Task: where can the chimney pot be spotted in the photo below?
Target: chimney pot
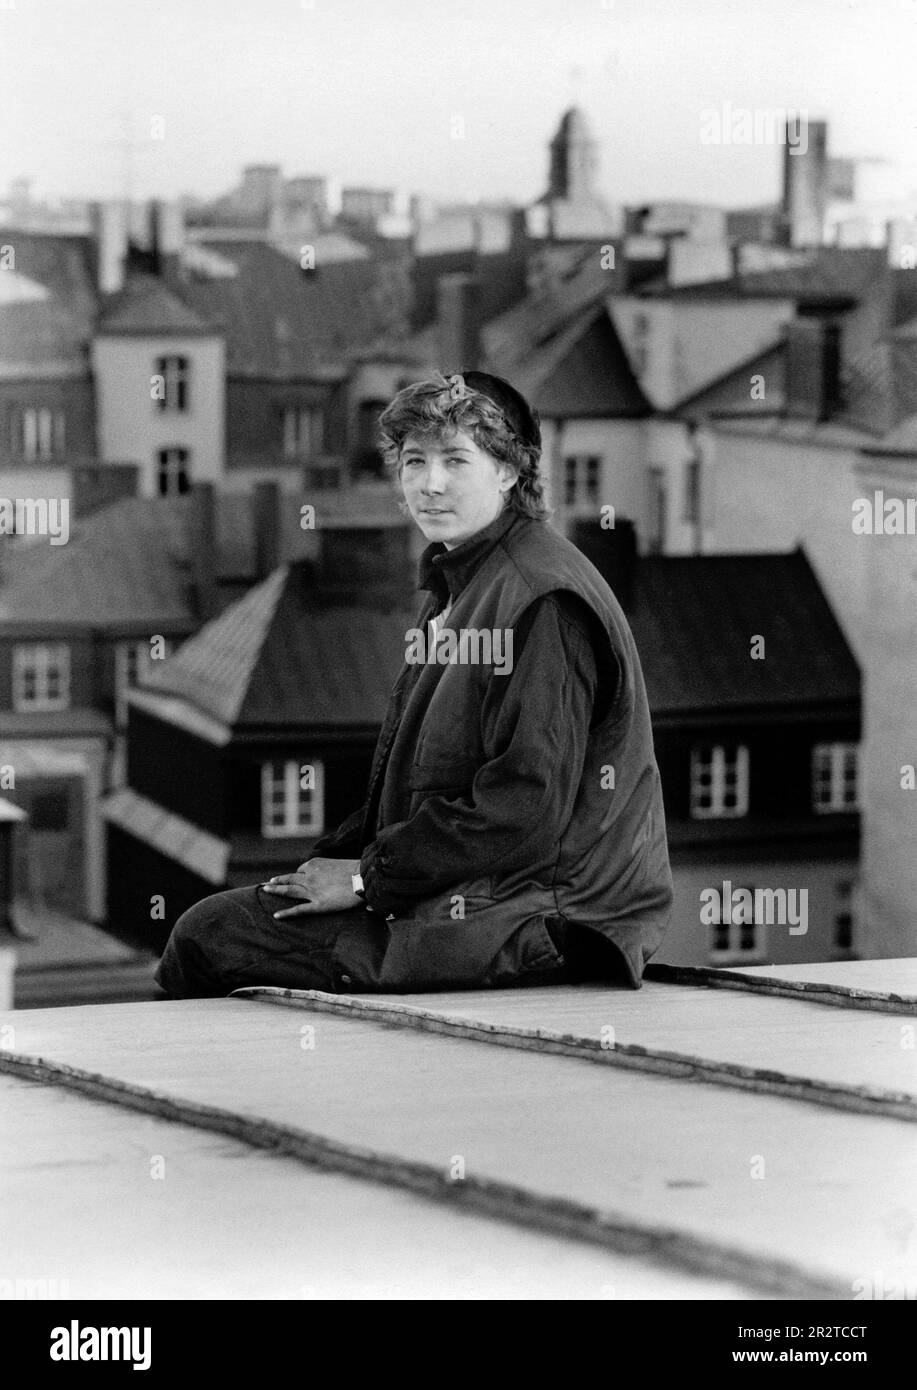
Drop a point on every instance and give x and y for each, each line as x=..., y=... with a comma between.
x=458, y=322
x=266, y=528
x=109, y=222
x=813, y=368
x=203, y=549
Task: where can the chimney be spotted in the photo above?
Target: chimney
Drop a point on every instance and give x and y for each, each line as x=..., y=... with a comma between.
x=202, y=540
x=261, y=190
x=168, y=234
x=805, y=182
x=266, y=528
x=97, y=485
x=613, y=552
x=363, y=565
x=813, y=368
x=109, y=231
x=458, y=322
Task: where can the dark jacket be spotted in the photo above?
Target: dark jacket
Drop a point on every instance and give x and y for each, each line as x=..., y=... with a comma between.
x=499, y=802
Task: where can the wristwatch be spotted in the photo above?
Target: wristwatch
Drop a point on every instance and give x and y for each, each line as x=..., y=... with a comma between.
x=357, y=881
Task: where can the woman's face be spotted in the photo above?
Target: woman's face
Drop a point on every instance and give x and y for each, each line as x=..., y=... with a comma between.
x=453, y=489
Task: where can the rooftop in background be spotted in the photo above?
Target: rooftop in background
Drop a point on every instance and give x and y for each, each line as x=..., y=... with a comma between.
x=830, y=273
x=49, y=303
x=146, y=305
x=693, y=618
x=128, y=565
x=282, y=656
x=281, y=320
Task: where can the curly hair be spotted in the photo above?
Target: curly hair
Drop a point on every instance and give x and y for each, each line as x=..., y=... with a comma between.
x=427, y=410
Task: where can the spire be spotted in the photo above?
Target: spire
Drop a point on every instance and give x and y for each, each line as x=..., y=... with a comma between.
x=574, y=159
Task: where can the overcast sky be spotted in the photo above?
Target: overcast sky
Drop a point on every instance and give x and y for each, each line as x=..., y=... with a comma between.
x=368, y=90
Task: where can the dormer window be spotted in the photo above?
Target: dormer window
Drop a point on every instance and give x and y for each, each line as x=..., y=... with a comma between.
x=292, y=798
x=835, y=778
x=719, y=781
x=41, y=676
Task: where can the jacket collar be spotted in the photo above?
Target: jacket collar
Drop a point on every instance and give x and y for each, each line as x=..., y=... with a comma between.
x=448, y=571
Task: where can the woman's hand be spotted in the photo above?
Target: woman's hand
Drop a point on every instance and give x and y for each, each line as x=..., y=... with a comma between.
x=319, y=885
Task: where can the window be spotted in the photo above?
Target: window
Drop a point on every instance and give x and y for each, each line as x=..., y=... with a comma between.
x=176, y=376
x=174, y=474
x=39, y=433
x=834, y=778
x=303, y=431
x=736, y=935
x=292, y=798
x=581, y=479
x=41, y=676
x=132, y=662
x=719, y=781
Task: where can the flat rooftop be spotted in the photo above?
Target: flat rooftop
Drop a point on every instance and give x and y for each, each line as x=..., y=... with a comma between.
x=716, y=1134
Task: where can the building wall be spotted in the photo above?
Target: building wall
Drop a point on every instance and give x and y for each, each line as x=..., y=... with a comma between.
x=688, y=939
x=177, y=770
x=82, y=664
x=346, y=766
x=254, y=427
x=31, y=480
x=131, y=426
x=79, y=885
x=620, y=444
x=779, y=769
x=771, y=494
x=140, y=874
x=690, y=343
x=668, y=446
x=889, y=641
x=72, y=395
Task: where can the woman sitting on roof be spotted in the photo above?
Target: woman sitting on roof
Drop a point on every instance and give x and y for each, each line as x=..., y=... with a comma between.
x=513, y=830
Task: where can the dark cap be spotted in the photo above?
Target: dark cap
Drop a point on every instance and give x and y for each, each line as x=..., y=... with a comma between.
x=520, y=416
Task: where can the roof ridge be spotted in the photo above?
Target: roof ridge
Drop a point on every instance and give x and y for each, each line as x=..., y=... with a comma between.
x=227, y=670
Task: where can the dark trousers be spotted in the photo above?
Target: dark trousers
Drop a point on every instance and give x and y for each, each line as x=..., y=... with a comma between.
x=232, y=939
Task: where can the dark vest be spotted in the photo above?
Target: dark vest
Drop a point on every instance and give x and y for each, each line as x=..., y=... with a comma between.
x=609, y=870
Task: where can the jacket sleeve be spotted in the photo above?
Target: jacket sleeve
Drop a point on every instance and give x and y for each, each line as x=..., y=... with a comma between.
x=535, y=726
x=345, y=842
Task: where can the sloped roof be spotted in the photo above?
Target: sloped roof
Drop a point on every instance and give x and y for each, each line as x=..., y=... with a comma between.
x=581, y=371
x=832, y=272
x=213, y=669
x=282, y=321
x=880, y=386
x=284, y=658
x=571, y=284
x=281, y=657
x=53, y=329
x=126, y=566
x=731, y=391
x=146, y=305
x=693, y=619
